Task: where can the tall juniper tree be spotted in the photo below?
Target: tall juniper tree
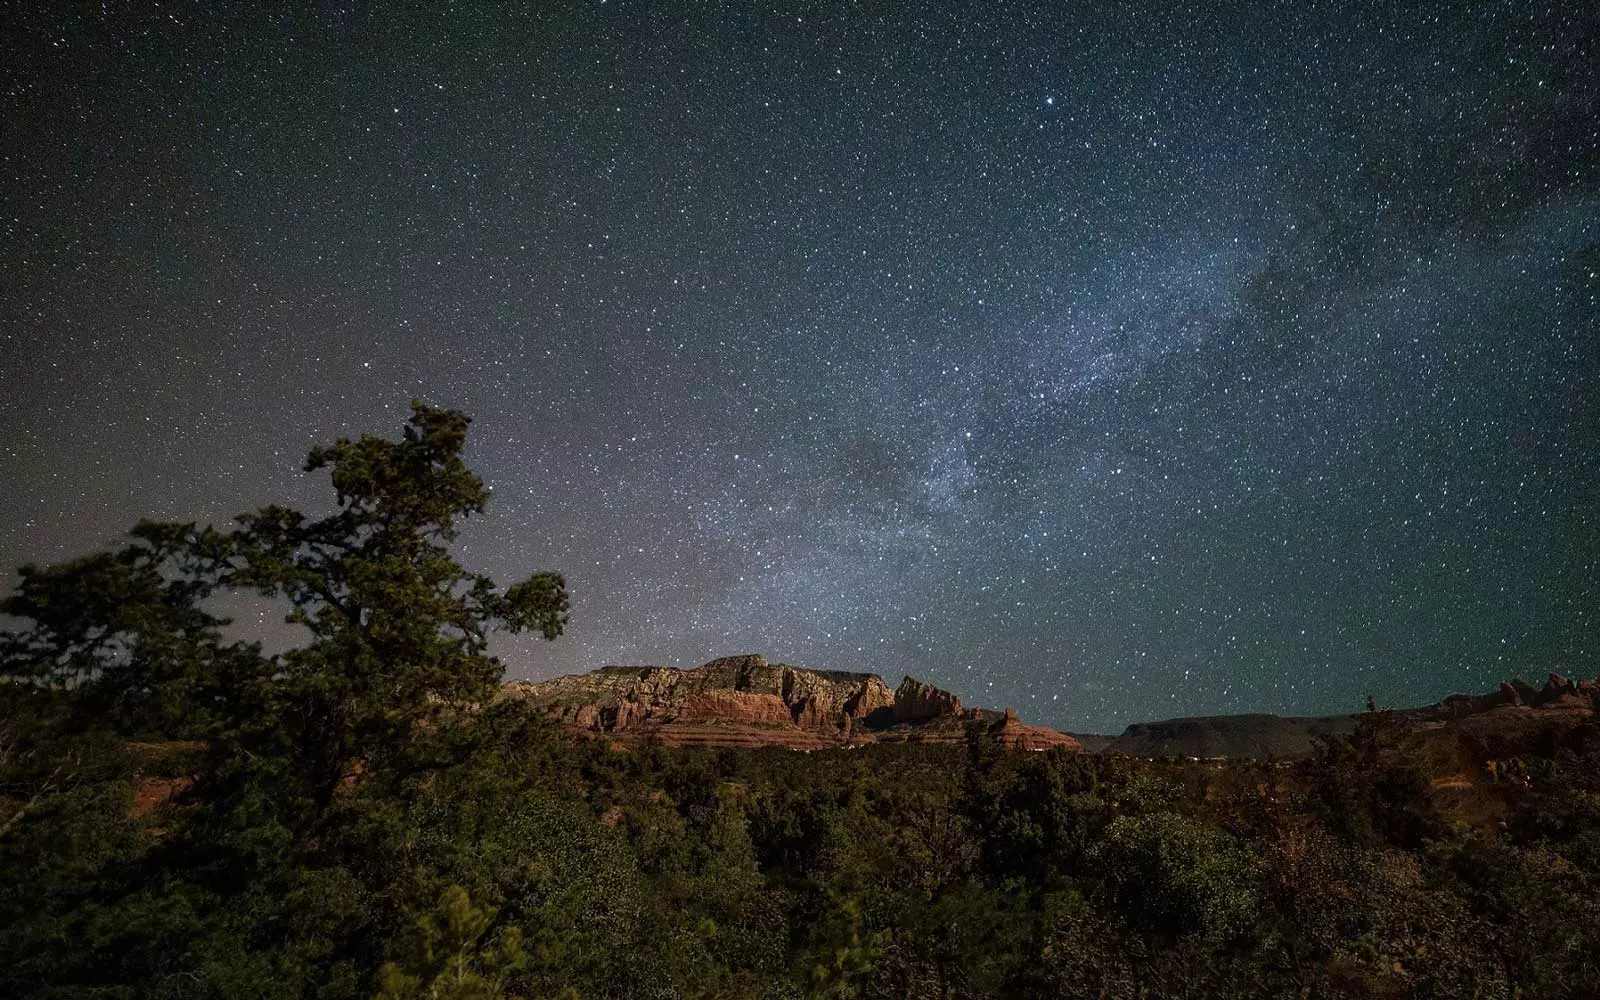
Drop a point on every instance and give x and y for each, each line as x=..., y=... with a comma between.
x=274, y=872
x=399, y=629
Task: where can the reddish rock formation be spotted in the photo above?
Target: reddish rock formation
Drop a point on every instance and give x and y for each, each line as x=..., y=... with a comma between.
x=734, y=701
x=919, y=701
x=720, y=735
x=1014, y=735
x=743, y=701
x=873, y=697
x=737, y=706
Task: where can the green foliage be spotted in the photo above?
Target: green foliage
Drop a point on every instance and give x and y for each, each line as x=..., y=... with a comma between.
x=447, y=955
x=841, y=959
x=185, y=816
x=1179, y=874
x=124, y=631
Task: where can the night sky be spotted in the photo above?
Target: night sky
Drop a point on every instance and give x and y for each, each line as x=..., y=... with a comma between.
x=1110, y=362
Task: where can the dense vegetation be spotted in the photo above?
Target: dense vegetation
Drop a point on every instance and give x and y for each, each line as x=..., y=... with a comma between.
x=183, y=815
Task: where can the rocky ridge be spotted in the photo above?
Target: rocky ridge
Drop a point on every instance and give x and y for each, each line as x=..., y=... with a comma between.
x=1515, y=708
x=744, y=701
x=1559, y=694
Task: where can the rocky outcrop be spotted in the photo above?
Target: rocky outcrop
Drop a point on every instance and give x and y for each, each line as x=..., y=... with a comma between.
x=1013, y=734
x=744, y=701
x=735, y=690
x=1559, y=694
x=918, y=701
x=740, y=706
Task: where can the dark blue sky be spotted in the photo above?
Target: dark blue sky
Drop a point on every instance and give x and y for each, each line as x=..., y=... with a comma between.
x=1114, y=363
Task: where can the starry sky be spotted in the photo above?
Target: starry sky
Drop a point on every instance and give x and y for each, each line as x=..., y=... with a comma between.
x=1115, y=362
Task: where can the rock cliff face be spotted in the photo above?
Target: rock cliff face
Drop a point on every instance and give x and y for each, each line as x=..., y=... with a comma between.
x=918, y=701
x=743, y=701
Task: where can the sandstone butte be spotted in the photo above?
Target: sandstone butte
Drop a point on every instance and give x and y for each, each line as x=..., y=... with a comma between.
x=744, y=701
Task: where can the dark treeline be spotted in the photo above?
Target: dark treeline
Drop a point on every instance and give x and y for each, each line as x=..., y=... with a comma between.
x=183, y=815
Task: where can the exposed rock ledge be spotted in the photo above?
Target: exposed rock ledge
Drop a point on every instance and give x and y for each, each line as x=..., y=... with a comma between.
x=743, y=701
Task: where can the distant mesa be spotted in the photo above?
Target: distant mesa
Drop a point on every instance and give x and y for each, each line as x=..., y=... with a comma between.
x=1515, y=710
x=744, y=701
x=1229, y=736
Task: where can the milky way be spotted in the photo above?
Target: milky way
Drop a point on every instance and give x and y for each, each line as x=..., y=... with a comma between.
x=1110, y=362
